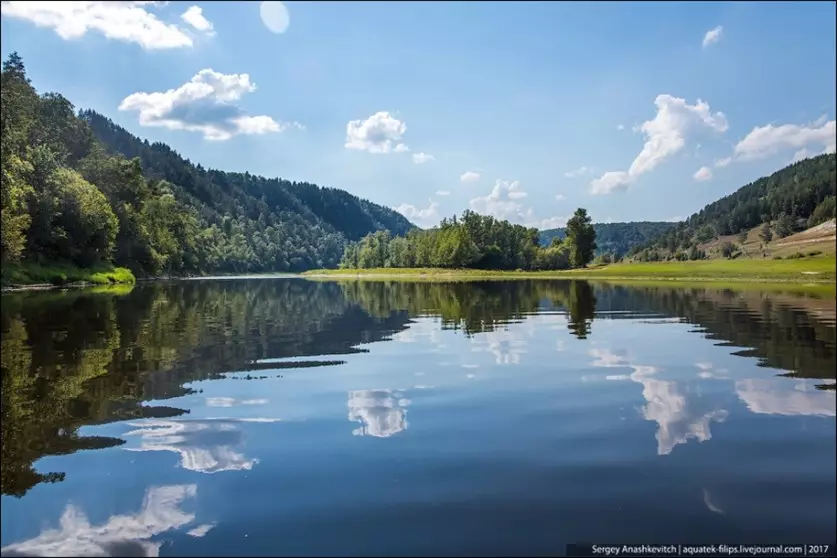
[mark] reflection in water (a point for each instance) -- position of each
(506, 345)
(121, 535)
(205, 446)
(780, 396)
(76, 359)
(680, 413)
(381, 412)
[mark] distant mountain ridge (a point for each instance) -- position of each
(616, 238)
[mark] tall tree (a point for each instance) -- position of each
(582, 238)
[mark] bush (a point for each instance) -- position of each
(813, 253)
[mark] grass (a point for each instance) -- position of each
(57, 274)
(819, 269)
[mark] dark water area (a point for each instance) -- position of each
(281, 416)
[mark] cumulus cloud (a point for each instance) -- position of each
(712, 36)
(620, 127)
(560, 197)
(764, 141)
(419, 158)
(129, 22)
(786, 397)
(442, 193)
(665, 135)
(502, 202)
(469, 176)
(205, 104)
(424, 216)
(380, 133)
(194, 17)
(580, 171)
(703, 174)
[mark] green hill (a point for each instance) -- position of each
(797, 197)
(78, 190)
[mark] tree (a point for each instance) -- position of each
(785, 225)
(727, 249)
(766, 234)
(582, 238)
(742, 237)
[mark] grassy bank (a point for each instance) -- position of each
(59, 274)
(804, 270)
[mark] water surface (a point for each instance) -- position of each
(281, 416)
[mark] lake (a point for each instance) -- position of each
(283, 416)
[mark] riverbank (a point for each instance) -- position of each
(815, 270)
(30, 276)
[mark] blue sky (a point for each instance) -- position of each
(636, 111)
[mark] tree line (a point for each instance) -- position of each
(478, 242)
(78, 189)
(792, 199)
(614, 240)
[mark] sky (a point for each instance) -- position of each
(525, 111)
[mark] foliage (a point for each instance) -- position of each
(766, 233)
(28, 273)
(823, 212)
(473, 242)
(81, 190)
(581, 237)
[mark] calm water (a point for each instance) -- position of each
(291, 417)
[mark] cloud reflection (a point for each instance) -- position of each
(205, 446)
(121, 535)
(504, 344)
(381, 412)
(785, 396)
(680, 413)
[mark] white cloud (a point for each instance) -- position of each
(419, 158)
(194, 17)
(442, 193)
(801, 154)
(560, 197)
(129, 22)
(620, 127)
(580, 171)
(665, 135)
(703, 174)
(764, 141)
(550, 223)
(712, 36)
(424, 216)
(501, 202)
(469, 176)
(380, 133)
(205, 104)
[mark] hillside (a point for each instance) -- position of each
(80, 190)
(795, 198)
(615, 238)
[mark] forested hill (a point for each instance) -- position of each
(792, 199)
(616, 238)
(224, 192)
(78, 189)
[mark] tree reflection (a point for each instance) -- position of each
(80, 358)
